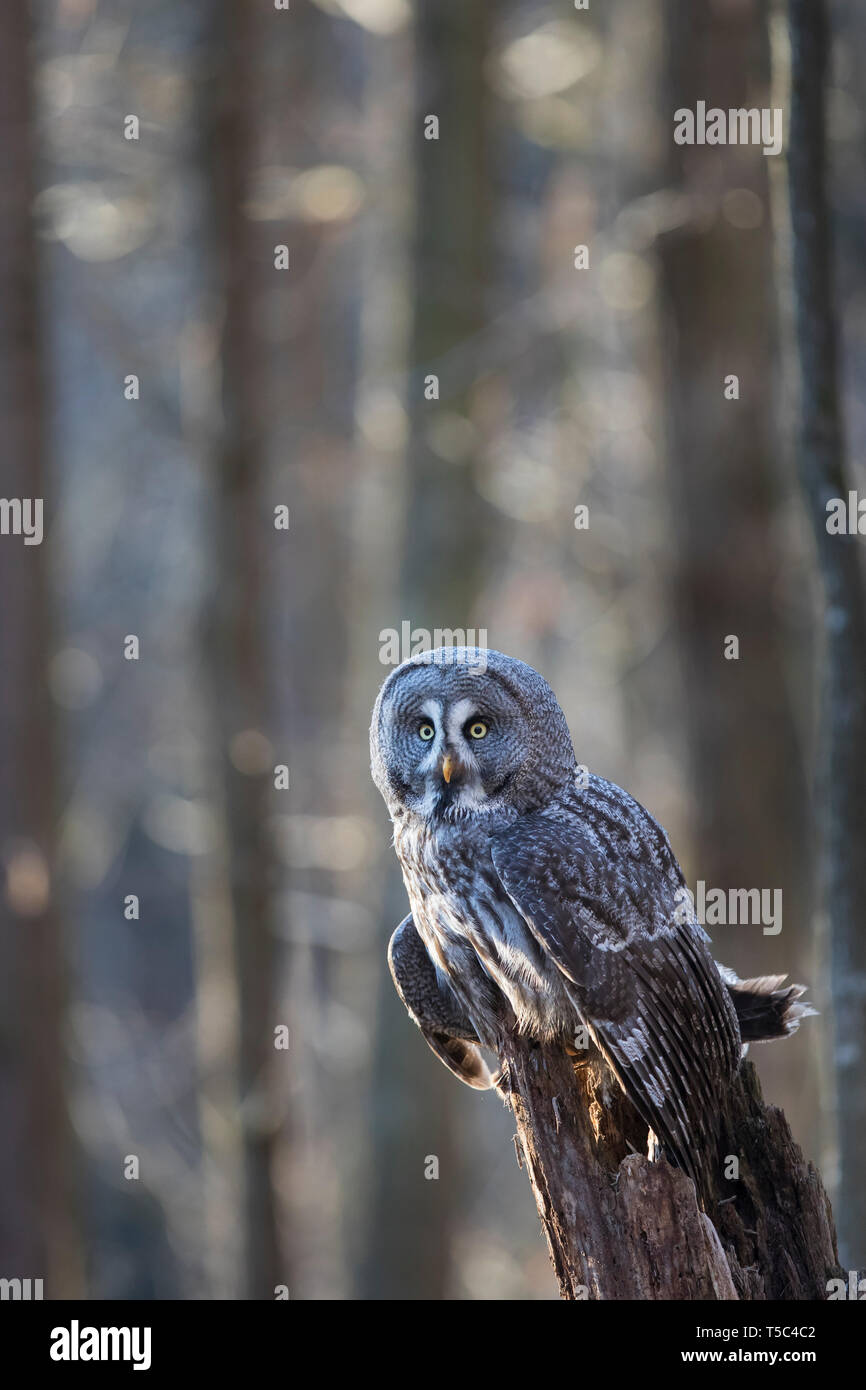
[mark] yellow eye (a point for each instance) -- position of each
(426, 732)
(478, 729)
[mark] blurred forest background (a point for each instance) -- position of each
(153, 1038)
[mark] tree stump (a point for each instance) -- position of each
(622, 1226)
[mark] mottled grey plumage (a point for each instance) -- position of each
(543, 899)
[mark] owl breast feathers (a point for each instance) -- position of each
(547, 901)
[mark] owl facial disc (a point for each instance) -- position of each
(450, 739)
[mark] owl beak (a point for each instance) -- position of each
(452, 766)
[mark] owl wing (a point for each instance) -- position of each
(641, 977)
(434, 1008)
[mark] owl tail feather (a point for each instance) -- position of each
(766, 1007)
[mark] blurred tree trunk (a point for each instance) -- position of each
(842, 788)
(235, 652)
(751, 803)
(445, 551)
(448, 524)
(36, 1226)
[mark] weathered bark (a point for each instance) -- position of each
(842, 790)
(620, 1226)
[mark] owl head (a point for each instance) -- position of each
(457, 732)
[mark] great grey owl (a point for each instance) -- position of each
(544, 898)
